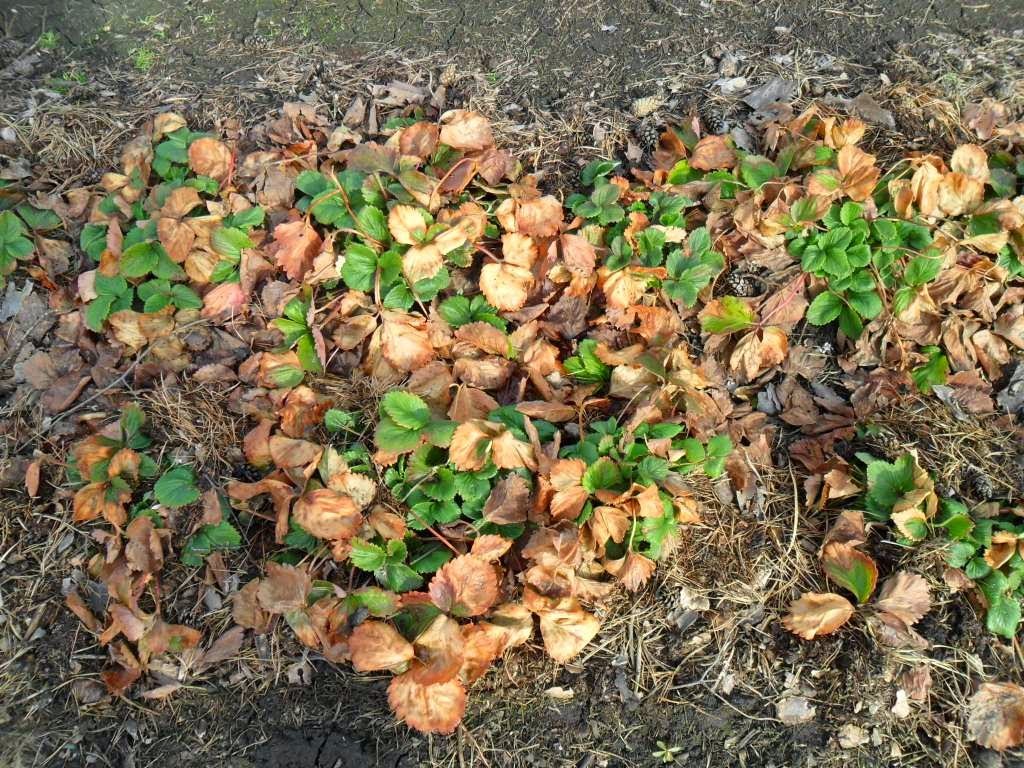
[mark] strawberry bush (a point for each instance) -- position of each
(553, 380)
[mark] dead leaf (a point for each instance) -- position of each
(298, 243)
(815, 614)
(712, 153)
(905, 596)
(466, 130)
(209, 157)
(464, 586)
(436, 708)
(996, 716)
(566, 631)
(506, 286)
(376, 645)
(327, 514)
(508, 502)
(284, 588)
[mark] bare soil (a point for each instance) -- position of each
(560, 79)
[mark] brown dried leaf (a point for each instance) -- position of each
(466, 130)
(284, 588)
(566, 631)
(506, 286)
(298, 243)
(712, 153)
(209, 157)
(509, 501)
(404, 341)
(434, 708)
(376, 645)
(996, 716)
(490, 547)
(905, 596)
(464, 586)
(540, 409)
(816, 614)
(439, 649)
(327, 514)
(579, 255)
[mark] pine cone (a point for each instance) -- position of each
(647, 134)
(978, 484)
(742, 284)
(449, 76)
(714, 120)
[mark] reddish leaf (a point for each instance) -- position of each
(327, 514)
(297, 244)
(816, 614)
(434, 708)
(376, 645)
(464, 586)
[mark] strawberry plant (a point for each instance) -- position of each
(840, 255)
(14, 242)
(692, 270)
(297, 326)
(553, 380)
(601, 206)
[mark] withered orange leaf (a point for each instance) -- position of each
(404, 341)
(436, 708)
(579, 255)
(633, 570)
(440, 650)
(518, 249)
(540, 409)
(508, 452)
(541, 217)
(78, 607)
(996, 716)
(464, 586)
(225, 300)
(485, 337)
(467, 130)
(100, 500)
(210, 157)
(483, 643)
(256, 444)
(815, 614)
(281, 493)
(246, 609)
(118, 679)
(470, 443)
(376, 645)
(289, 452)
(327, 514)
(419, 139)
(570, 496)
(163, 637)
(490, 547)
(506, 286)
(758, 351)
(712, 153)
(297, 244)
(566, 631)
(516, 622)
(608, 523)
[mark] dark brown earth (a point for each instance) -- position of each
(562, 76)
